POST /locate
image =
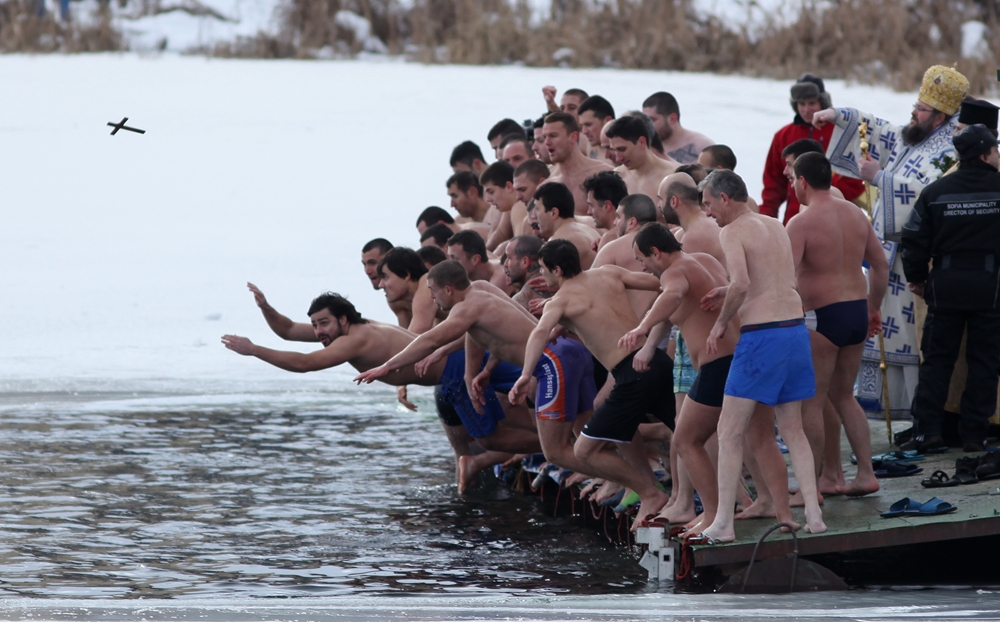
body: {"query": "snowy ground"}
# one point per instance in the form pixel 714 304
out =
pixel 123 259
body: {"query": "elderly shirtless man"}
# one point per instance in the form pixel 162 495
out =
pixel 772 363
pixel 645 170
pixel 489 320
pixel 593 305
pixel 830 239
pixel 562 135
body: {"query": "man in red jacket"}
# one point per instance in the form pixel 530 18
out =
pixel 808 97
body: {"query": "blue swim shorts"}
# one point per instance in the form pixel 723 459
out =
pixel 456 394
pixel 773 363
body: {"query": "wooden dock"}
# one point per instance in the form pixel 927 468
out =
pixel 854 524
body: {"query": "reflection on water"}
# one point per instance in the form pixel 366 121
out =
pixel 242 503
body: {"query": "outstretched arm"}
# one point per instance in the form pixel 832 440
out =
pixel 536 346
pixel 878 280
pixel 330 356
pixel 281 325
pixel 442 334
pixel 675 287
pixel 636 280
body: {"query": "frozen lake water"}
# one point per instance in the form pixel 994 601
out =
pixel 143 460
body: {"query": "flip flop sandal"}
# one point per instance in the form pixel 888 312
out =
pixel 968 462
pixel 899 456
pixel 933 507
pixel 885 469
pixel 614 499
pixel 901 507
pixel 939 479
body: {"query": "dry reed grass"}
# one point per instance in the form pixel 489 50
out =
pixel 23 30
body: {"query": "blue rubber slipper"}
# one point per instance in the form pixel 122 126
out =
pixel 901 507
pixel 614 499
pixel 933 507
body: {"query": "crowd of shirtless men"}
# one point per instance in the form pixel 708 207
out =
pixel 609 296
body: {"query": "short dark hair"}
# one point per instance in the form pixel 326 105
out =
pixel 466 153
pixel 449 273
pixel 536 170
pixel 655 235
pixel 629 128
pixel 560 253
pixel 606 186
pixel 801 146
pixel 382 244
pixel 596 104
pixel 440 232
pixel 652 137
pixel 640 207
pixel 664 103
pixel 582 94
pixel 510 139
pixel 465 180
pixel 499 174
pixel 555 195
pixel 403 262
pixel 697 172
pixel 471 242
pixel 815 169
pixel 338 306
pixel 721 156
pixel 568 121
pixel 433 215
pixel 525 246
pixel 431 255
pixel 503 127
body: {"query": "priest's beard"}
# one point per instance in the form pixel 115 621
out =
pixel 917 132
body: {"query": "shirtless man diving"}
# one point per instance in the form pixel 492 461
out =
pixel 830 239
pixel 592 305
pixel 492 321
pixel 772 363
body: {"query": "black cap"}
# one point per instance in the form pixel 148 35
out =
pixel 974 141
pixel 978 111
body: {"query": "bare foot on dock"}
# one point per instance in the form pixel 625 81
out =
pixel 860 487
pixel 757 509
pixel 649 507
pixel 677 514
pixel 696 524
pixel 575 479
pixel 608 490
pixel 591 488
pixel 831 485
pixel 815 524
pixel 797 501
pixel 795 526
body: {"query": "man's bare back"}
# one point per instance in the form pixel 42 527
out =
pixel 702 236
pixel 619 253
pixel 582 237
pixel 760 246
pixel 594 306
pixel 699 273
pixel 830 266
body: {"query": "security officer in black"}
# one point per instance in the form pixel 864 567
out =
pixel 955 226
